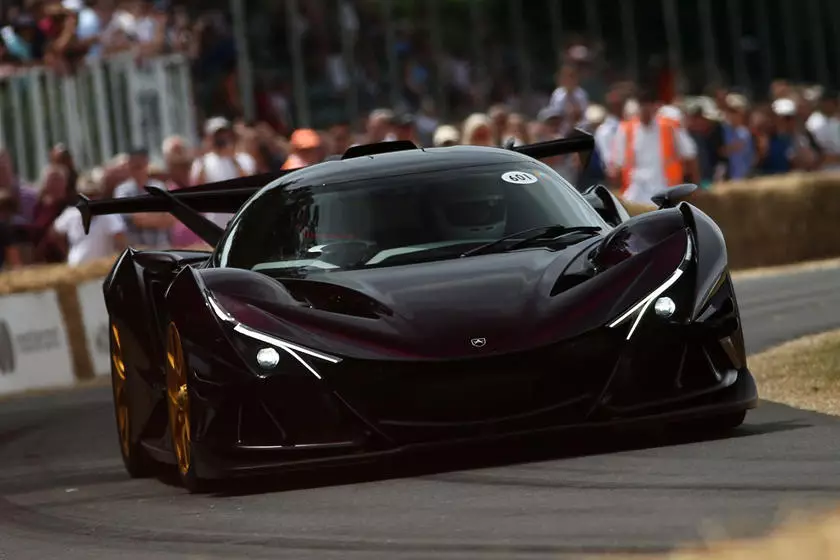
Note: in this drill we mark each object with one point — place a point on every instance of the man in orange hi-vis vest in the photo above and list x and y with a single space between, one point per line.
650 153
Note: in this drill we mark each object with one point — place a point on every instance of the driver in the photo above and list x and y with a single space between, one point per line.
471 212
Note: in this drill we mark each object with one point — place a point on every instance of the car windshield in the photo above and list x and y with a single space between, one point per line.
401 220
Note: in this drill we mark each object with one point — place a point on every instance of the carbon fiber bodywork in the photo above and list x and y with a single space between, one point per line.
375 362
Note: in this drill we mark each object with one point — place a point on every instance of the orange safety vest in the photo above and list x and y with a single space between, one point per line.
672 164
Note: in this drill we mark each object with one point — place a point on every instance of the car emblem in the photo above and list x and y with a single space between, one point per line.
478 342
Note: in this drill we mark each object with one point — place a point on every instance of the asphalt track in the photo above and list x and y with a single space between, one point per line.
63 492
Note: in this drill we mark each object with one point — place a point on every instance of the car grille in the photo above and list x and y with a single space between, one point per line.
561 380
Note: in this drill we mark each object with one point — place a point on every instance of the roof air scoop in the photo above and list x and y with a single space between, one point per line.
379 148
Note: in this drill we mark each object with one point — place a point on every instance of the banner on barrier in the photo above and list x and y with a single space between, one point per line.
95 319
34 351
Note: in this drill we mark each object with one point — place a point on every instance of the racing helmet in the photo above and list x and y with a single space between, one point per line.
471 212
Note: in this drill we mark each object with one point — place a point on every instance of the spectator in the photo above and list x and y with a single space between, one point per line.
380 126
739 147
551 127
648 154
499 115
707 133
9 253
150 230
222 161
405 129
52 200
516 131
569 97
824 125
60 155
342 138
178 159
477 130
786 149
107 233
446 135
307 149
94 28
605 133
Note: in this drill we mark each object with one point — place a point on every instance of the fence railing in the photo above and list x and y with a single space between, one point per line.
105 108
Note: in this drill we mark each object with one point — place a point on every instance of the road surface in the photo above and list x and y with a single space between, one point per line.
63 491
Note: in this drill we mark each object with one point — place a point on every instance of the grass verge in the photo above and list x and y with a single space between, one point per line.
804 373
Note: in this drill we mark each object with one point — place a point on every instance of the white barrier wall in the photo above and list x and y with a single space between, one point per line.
34 350
95 319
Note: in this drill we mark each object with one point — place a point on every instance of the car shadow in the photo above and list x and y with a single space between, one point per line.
412 464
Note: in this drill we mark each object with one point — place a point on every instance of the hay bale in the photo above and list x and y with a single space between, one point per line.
44 277
776 220
772 221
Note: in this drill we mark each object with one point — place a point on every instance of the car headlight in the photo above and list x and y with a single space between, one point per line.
265 350
663 306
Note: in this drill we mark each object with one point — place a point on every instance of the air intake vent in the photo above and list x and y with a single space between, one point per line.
567 282
379 148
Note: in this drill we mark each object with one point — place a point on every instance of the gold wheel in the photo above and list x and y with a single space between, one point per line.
178 399
120 396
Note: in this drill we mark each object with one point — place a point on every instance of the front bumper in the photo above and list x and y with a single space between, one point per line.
213 463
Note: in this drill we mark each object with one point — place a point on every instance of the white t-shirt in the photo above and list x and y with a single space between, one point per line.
561 98
647 176
99 243
216 168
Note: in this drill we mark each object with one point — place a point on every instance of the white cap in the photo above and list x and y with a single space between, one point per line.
444 134
736 101
631 108
595 114
73 5
215 124
784 107
671 112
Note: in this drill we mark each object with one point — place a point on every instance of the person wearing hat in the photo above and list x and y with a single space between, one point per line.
649 153
787 148
306 149
222 162
107 235
446 135
824 125
704 127
739 146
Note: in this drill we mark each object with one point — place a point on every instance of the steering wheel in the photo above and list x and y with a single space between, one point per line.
347 253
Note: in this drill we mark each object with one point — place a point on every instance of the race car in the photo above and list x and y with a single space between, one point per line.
401 298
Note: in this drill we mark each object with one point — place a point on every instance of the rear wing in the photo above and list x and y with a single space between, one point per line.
187 205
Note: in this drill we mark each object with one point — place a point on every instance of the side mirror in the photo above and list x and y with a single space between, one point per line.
606 204
672 196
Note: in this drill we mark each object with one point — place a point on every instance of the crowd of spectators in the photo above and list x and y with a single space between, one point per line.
722 136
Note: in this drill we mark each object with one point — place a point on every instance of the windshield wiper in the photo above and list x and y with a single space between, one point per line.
552 232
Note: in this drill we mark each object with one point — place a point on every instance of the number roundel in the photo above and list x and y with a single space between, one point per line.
519 178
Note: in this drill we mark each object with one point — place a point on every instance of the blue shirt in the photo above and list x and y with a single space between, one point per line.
777 159
740 162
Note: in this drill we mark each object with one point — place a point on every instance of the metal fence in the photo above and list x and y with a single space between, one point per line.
105 108
339 65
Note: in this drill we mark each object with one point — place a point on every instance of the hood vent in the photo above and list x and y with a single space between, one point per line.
568 281
335 299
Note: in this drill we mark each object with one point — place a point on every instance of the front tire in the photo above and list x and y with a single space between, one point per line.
137 462
178 406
